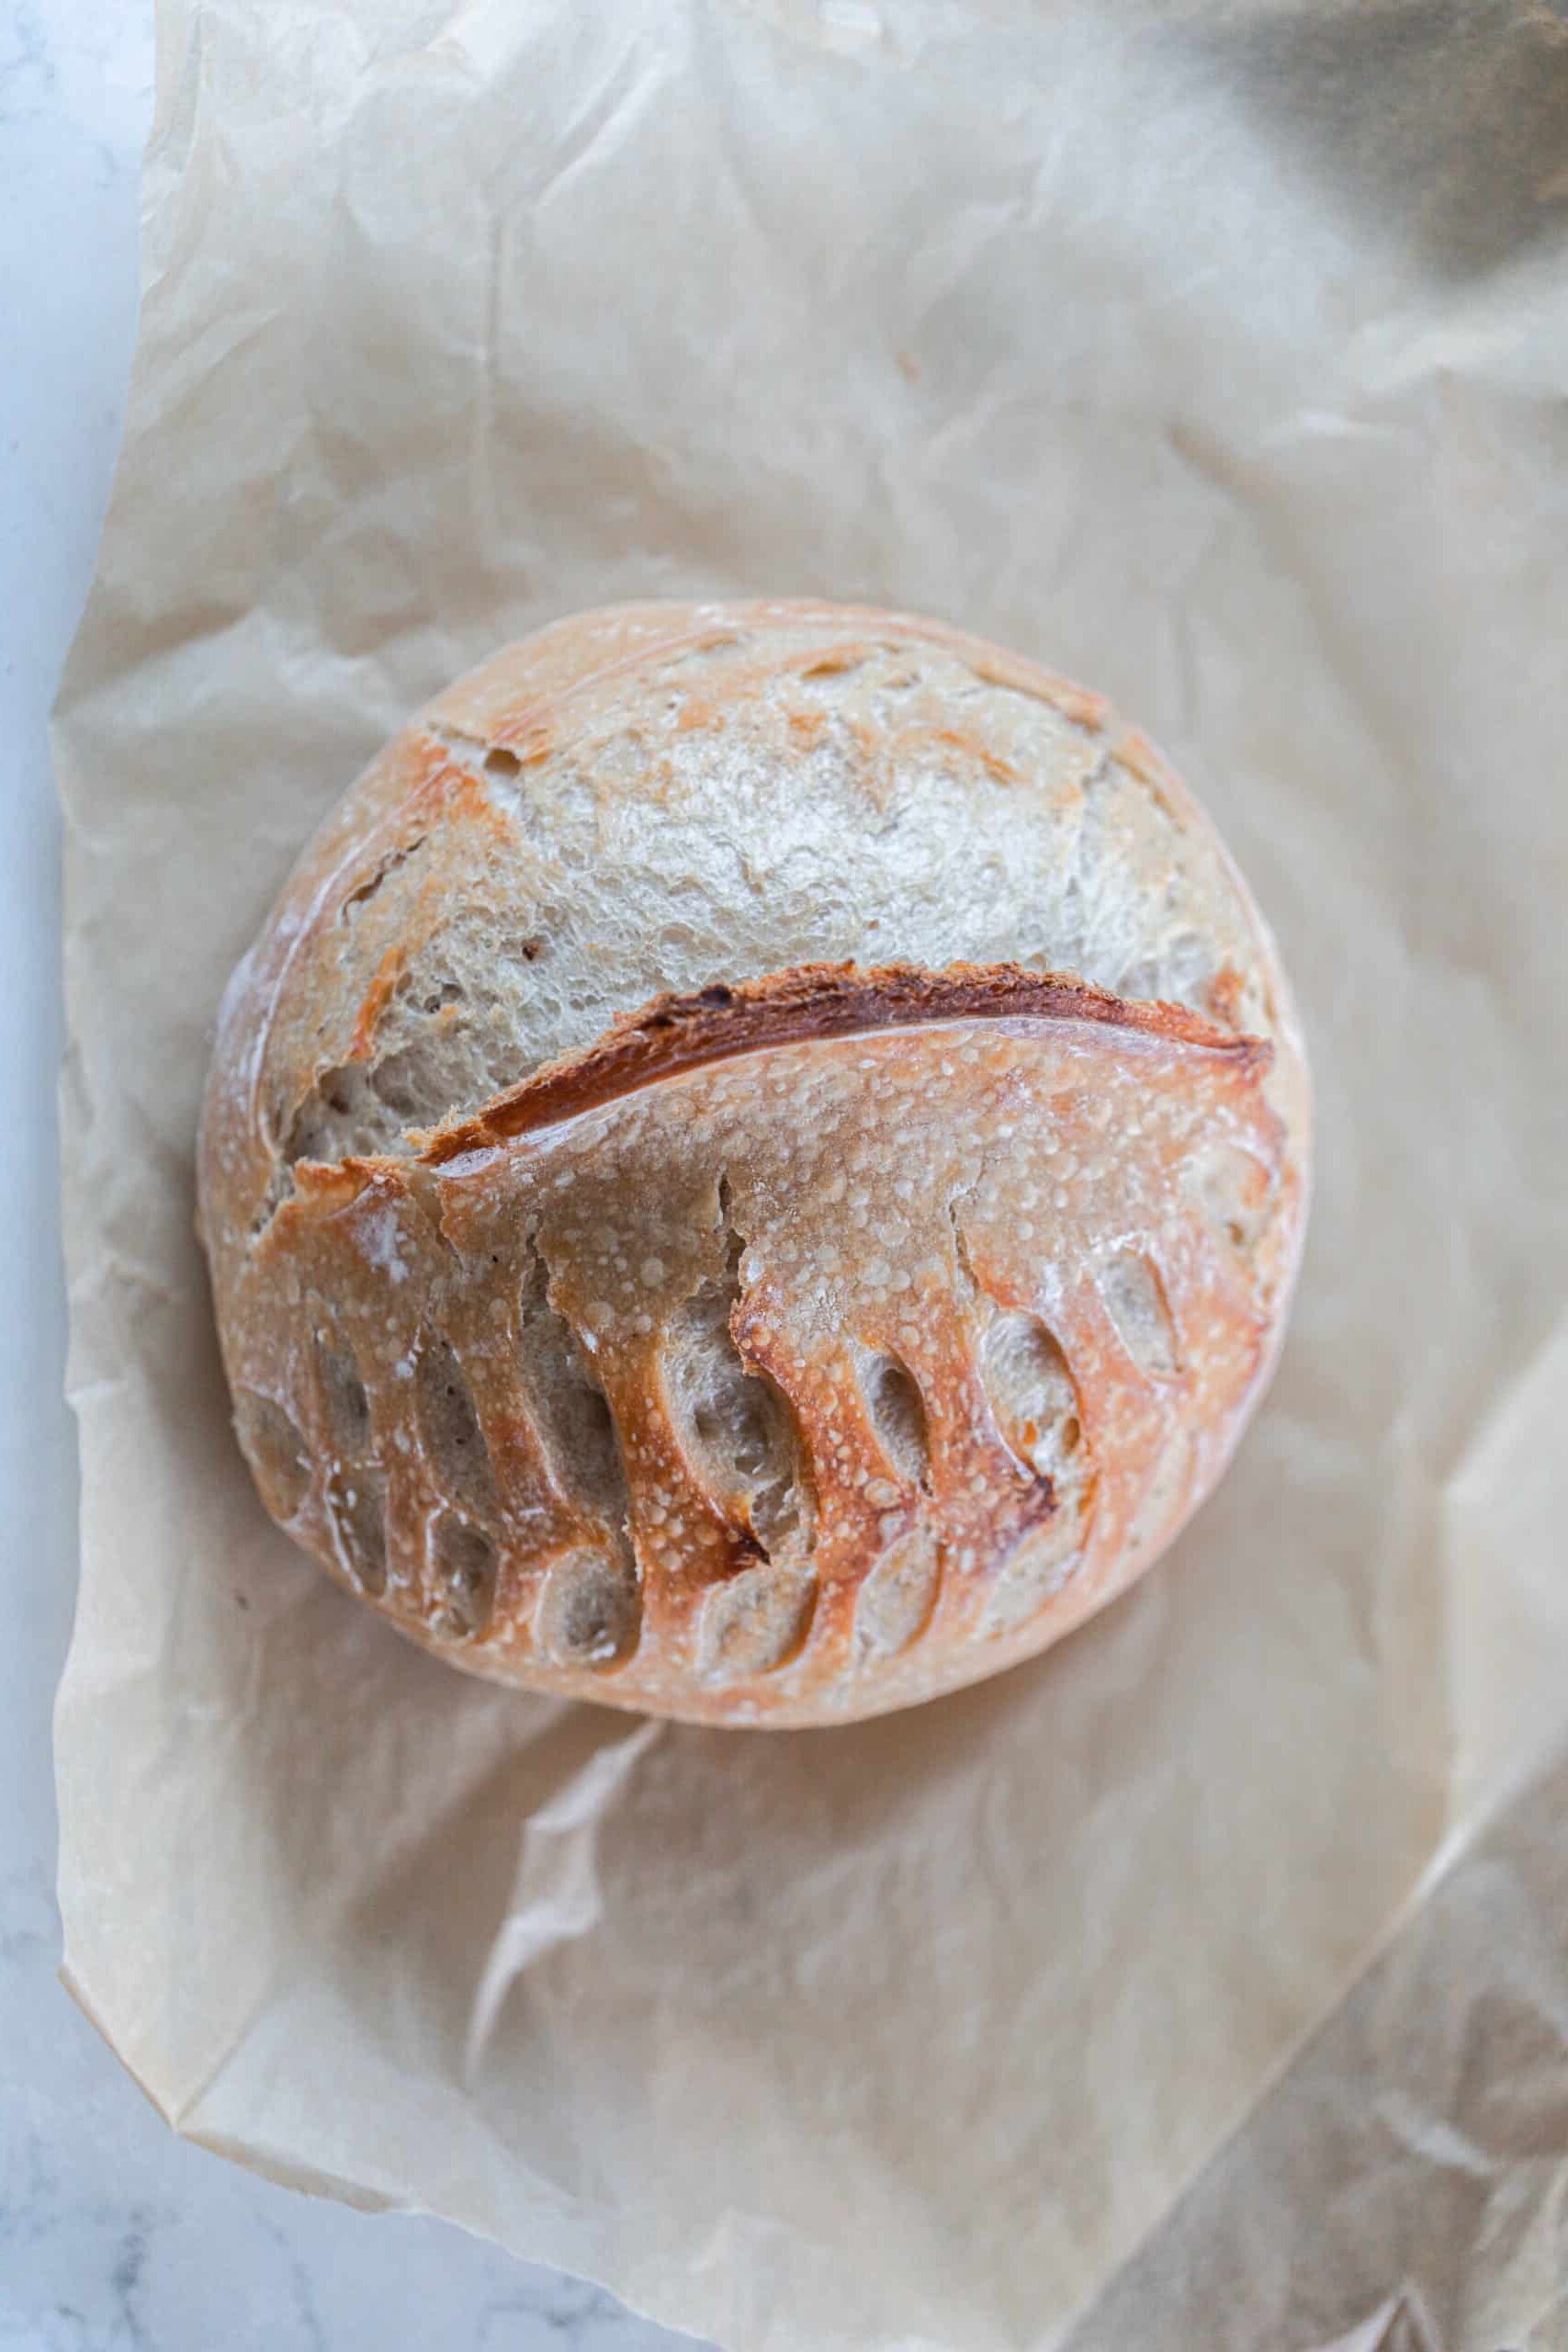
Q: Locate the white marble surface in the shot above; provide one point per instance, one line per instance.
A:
(112, 2232)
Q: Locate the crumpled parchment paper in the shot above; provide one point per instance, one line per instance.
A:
(1216, 354)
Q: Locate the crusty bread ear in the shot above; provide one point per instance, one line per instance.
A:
(793, 1348)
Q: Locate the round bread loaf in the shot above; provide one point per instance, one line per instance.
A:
(756, 1168)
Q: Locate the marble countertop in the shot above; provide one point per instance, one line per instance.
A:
(112, 2232)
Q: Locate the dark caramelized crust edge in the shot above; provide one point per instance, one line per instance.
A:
(673, 1034)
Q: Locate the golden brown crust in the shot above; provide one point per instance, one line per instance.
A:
(942, 1213)
(716, 1023)
(804, 1343)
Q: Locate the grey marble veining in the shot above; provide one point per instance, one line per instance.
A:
(113, 2233)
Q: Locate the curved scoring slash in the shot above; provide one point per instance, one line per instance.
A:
(810, 1000)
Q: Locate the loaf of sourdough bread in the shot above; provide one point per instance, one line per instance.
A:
(756, 1168)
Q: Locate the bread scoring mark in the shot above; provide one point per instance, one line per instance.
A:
(440, 755)
(895, 1602)
(278, 1456)
(734, 1424)
(1136, 1301)
(1028, 1388)
(571, 1413)
(1031, 1393)
(755, 1623)
(1234, 1192)
(676, 1034)
(449, 1424)
(463, 1565)
(342, 1396)
(589, 1611)
(357, 1512)
(898, 1416)
(1034, 1400)
(1037, 1568)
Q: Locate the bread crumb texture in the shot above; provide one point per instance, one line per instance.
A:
(756, 1168)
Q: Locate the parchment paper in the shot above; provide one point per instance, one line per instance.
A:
(1216, 354)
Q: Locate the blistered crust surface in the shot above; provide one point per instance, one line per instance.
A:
(756, 1167)
(788, 1388)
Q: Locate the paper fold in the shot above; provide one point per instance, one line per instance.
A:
(1215, 357)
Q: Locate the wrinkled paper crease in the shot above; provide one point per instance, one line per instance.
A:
(1201, 1983)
